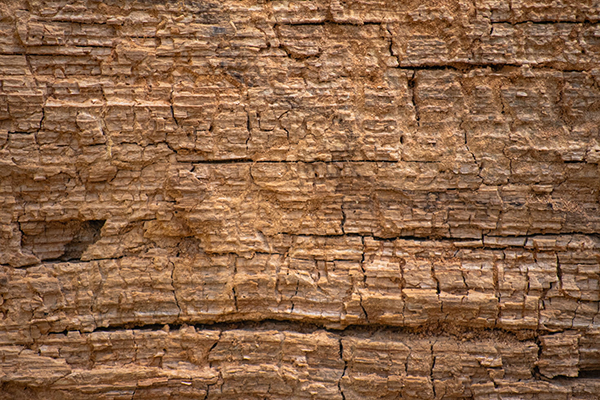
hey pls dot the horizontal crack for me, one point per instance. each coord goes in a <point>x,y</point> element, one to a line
<point>479,243</point>
<point>311,327</point>
<point>252,161</point>
<point>466,67</point>
<point>546,22</point>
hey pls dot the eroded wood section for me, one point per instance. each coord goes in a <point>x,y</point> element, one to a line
<point>273,359</point>
<point>300,199</point>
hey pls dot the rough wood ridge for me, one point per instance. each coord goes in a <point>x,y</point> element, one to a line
<point>298,199</point>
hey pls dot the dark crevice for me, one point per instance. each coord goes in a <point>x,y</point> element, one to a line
<point>328,21</point>
<point>466,67</point>
<point>333,161</point>
<point>251,161</point>
<point>546,22</point>
<point>535,371</point>
<point>433,359</point>
<point>472,242</point>
<point>341,352</point>
<point>461,67</point>
<point>145,327</point>
<point>60,241</point>
<point>88,234</point>
<point>589,374</point>
<point>413,95</point>
<point>343,222</point>
<point>436,329</point>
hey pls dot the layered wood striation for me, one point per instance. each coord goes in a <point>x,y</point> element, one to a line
<point>274,361</point>
<point>300,199</point>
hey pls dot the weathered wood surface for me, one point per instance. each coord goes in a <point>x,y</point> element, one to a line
<point>300,199</point>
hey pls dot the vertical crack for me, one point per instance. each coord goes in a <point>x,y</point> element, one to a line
<point>559,274</point>
<point>175,290</point>
<point>233,291</point>
<point>432,368</point>
<point>437,282</point>
<point>235,299</point>
<point>412,89</point>
<point>386,28</point>
<point>362,267</point>
<point>172,101</point>
<point>294,295</point>
<point>341,352</point>
<point>249,128</point>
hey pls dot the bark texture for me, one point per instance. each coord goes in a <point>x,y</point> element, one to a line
<point>300,199</point>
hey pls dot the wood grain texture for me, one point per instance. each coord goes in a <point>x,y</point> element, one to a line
<point>300,199</point>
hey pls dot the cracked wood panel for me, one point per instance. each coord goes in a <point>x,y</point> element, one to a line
<point>273,360</point>
<point>398,175</point>
<point>539,283</point>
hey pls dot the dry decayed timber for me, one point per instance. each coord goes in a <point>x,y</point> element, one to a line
<point>313,199</point>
